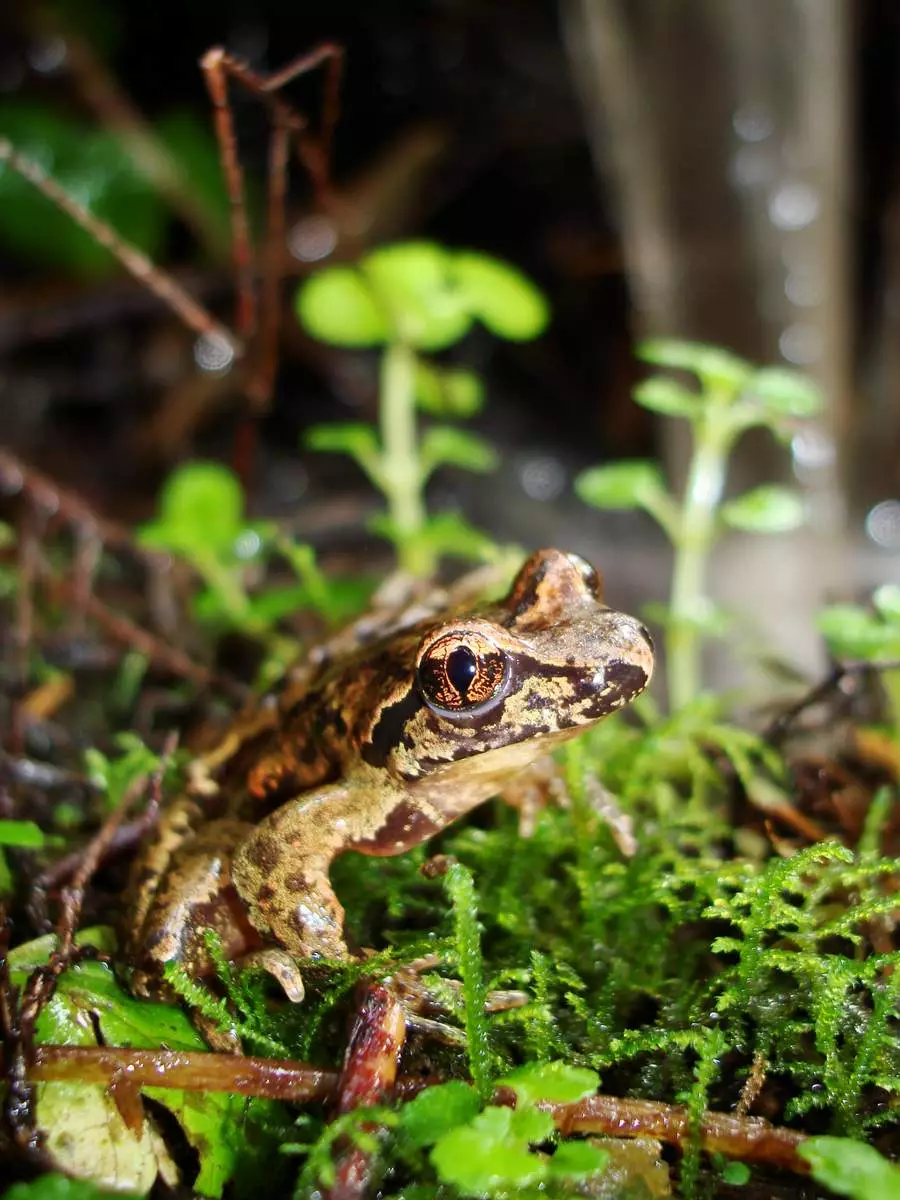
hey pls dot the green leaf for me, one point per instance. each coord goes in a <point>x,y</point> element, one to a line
<point>503,299</point>
<point>201,511</point>
<point>553,1081</point>
<point>25,835</point>
<point>629,484</point>
<point>413,283</point>
<point>737,1174</point>
<point>358,440</point>
<point>887,602</point>
<point>851,1168</point>
<point>576,1160</point>
<point>338,306</point>
<point>57,1187</point>
<point>436,1111</point>
<point>852,632</point>
<point>94,169</point>
<point>485,1155</point>
<point>445,444</point>
<point>766,509</point>
<point>665,396</point>
<point>115,775</point>
<point>448,391</point>
<point>786,392</point>
<point>714,367</point>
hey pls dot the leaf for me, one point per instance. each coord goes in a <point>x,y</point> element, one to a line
<point>887,602</point>
<point>503,299</point>
<point>94,169</point>
<point>665,396</point>
<point>444,444</point>
<point>852,632</point>
<point>189,139</point>
<point>358,440</point>
<point>628,484</point>
<point>413,283</point>
<point>786,392</point>
<point>553,1081</point>
<point>851,1168</point>
<point>714,367</point>
<point>437,1110</point>
<point>448,391</point>
<point>57,1187</point>
<point>115,775</point>
<point>25,835</point>
<point>575,1160</point>
<point>337,305</point>
<point>766,509</point>
<point>485,1155</point>
<point>201,511</point>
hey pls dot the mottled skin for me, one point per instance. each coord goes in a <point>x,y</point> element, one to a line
<point>383,743</point>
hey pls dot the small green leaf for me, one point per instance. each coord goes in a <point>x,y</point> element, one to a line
<point>665,396</point>
<point>24,835</point>
<point>437,1110</point>
<point>576,1160</point>
<point>629,484</point>
<point>851,1168</point>
<point>338,306</point>
<point>887,602</point>
<point>54,1186</point>
<point>766,509</point>
<point>786,392</point>
<point>714,367</point>
<point>736,1174</point>
<point>503,299</point>
<point>354,438</point>
<point>448,391</point>
<point>201,510</point>
<point>412,282</point>
<point>190,141</point>
<point>485,1155</point>
<point>852,632</point>
<point>446,445</point>
<point>557,1082</point>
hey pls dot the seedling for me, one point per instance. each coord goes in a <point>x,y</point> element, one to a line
<point>733,397</point>
<point>410,299</point>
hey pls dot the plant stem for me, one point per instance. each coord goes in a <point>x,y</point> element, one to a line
<point>402,476</point>
<point>713,436</point>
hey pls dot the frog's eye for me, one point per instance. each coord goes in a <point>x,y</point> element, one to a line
<point>461,672</point>
<point>590,576</point>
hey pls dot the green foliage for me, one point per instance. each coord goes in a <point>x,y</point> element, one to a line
<point>854,632</point>
<point>56,1187</point>
<point>114,776</point>
<point>851,1168</point>
<point>733,397</point>
<point>461,890</point>
<point>412,298</point>
<point>82,1128</point>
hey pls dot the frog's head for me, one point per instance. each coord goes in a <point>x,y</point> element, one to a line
<point>546,662</point>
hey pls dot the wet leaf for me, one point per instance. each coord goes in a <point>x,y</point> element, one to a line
<point>436,1111</point>
<point>412,281</point>
<point>851,1168</point>
<point>665,396</point>
<point>787,393</point>
<point>630,484</point>
<point>444,445</point>
<point>553,1081</point>
<point>715,367</point>
<point>338,306</point>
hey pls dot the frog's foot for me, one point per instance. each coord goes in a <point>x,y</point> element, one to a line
<point>281,966</point>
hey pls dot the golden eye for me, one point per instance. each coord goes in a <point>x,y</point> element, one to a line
<point>461,672</point>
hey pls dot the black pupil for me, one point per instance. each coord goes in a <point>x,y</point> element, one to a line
<point>462,667</point>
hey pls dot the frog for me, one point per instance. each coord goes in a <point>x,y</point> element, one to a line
<point>381,740</point>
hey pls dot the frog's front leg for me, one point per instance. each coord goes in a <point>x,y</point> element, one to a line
<point>281,869</point>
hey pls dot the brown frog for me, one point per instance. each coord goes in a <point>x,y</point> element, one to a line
<point>392,733</point>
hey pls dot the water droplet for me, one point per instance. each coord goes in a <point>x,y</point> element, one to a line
<point>801,344</point>
<point>803,287</point>
<point>883,524</point>
<point>812,450</point>
<point>48,55</point>
<point>751,166</point>
<point>248,544</point>
<point>753,123</point>
<point>794,206</point>
<point>312,238</point>
<point>542,478</point>
<point>213,353</point>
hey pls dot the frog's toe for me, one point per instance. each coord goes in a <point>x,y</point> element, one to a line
<point>280,965</point>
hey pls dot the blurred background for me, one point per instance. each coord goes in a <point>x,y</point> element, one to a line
<point>710,169</point>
